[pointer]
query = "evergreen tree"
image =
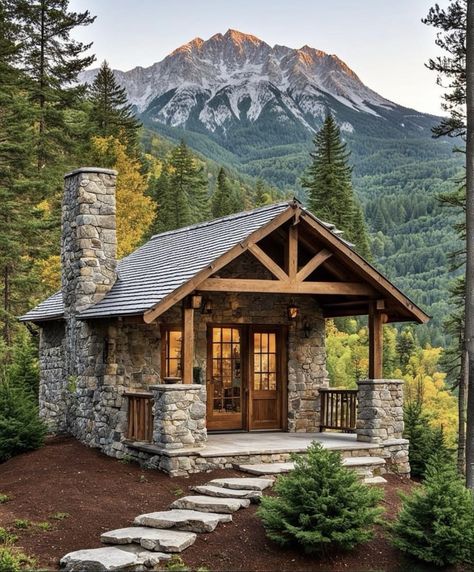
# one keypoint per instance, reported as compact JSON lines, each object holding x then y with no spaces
{"x":405,"y":347}
{"x":262,"y":197}
{"x":226,"y":199}
{"x":321,"y":504}
{"x":52,"y":59}
{"x":18,"y":216}
{"x":436,"y":523}
{"x":21,"y":429}
{"x":329,"y":186}
{"x":111,"y":114}
{"x":451,"y":23}
{"x":181,"y":190}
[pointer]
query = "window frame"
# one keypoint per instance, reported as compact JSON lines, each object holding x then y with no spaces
{"x":166,"y":329}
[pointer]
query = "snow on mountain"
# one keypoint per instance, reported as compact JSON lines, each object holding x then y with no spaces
{"x":237,"y":77}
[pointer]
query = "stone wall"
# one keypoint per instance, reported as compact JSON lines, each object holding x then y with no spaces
{"x":53,"y":381}
{"x":179,"y":416}
{"x":380,"y":410}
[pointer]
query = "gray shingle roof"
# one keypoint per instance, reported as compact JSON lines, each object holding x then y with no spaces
{"x":164,"y":263}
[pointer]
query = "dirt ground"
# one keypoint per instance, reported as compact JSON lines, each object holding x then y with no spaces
{"x":95,"y":493}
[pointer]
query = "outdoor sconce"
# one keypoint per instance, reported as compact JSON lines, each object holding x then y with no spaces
{"x":293,"y":311}
{"x":196,"y":301}
{"x":206,"y":307}
{"x":307,"y":329}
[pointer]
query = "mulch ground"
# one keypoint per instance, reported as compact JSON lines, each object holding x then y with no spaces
{"x":99,"y":494}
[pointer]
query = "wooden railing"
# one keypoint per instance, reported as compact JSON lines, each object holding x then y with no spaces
{"x":140,"y":416}
{"x":338,"y":409}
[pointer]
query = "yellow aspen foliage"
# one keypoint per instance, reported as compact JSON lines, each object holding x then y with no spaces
{"x":50,"y":272}
{"x":423,"y":379}
{"x":135,"y":210}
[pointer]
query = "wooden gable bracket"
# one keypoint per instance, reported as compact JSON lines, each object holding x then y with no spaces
{"x":290,"y":282}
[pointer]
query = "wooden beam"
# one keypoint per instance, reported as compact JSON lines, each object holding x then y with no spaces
{"x":168,"y":301}
{"x":282,"y":287}
{"x":314,"y":263}
{"x":376,"y":321}
{"x":293,"y":251}
{"x":268,"y":262}
{"x":188,"y":344}
{"x":359,"y":265}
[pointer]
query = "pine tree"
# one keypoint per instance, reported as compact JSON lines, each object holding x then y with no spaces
{"x":436,"y":523}
{"x":183,"y":191}
{"x":111,"y":114}
{"x":52,"y":59}
{"x":321,"y":504}
{"x":329,"y":186}
{"x":163,"y":198}
{"x":18,"y":216}
{"x":223,"y":203}
{"x":262,"y":197}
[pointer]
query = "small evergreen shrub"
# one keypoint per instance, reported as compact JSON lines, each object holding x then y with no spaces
{"x":436,"y":522}
{"x":320,"y":504}
{"x":21,"y":429}
{"x":425,"y":441}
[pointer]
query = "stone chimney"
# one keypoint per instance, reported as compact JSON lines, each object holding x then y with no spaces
{"x":89,"y":241}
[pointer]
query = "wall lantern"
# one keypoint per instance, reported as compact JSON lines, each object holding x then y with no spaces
{"x":206,"y":306}
{"x":196,"y":301}
{"x":293,"y":311}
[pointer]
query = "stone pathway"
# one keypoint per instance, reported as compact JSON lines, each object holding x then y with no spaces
{"x":157,"y":535}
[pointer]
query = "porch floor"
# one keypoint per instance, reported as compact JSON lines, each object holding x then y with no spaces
{"x":268,"y":443}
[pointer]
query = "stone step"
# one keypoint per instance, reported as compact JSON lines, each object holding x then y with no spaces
{"x":130,"y":558}
{"x":363,"y":465}
{"x":266,"y":468}
{"x":210,"y":504}
{"x":150,"y":538}
{"x":190,"y":520}
{"x":375,"y":481}
{"x":213,"y":491}
{"x":245,"y":483}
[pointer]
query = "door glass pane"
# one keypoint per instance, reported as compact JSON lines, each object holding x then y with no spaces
{"x":226,"y":370}
{"x":265,"y":362}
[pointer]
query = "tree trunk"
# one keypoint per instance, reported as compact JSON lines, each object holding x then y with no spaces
{"x":469,"y":309}
{"x":462,"y":394}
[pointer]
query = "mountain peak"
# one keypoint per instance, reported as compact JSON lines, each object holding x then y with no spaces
{"x":240,"y":37}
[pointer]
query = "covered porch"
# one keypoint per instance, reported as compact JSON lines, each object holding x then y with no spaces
{"x":252,"y":357}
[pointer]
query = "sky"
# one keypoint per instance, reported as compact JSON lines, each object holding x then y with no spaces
{"x":383,"y":41}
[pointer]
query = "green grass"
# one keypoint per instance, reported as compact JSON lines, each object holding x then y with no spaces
{"x":7,"y":538}
{"x":60,"y":515}
{"x":12,"y":560}
{"x":44,"y":525}
{"x":4,"y":498}
{"x":22,"y":523}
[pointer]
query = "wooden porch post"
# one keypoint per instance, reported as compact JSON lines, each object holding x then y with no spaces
{"x":188,"y":344}
{"x":376,"y":321}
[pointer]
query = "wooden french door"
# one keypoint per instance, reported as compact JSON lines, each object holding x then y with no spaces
{"x":265,"y":380}
{"x":245,"y":377}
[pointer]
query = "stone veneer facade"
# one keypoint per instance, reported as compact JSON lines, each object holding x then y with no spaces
{"x":88,"y":366}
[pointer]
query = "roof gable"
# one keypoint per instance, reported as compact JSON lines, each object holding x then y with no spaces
{"x":173,"y":264}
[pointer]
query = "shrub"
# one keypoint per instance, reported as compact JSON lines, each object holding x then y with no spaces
{"x":20,"y":426}
{"x":425,"y":441}
{"x":320,"y":504}
{"x":12,"y":560}
{"x":4,"y":498}
{"x":436,"y":522}
{"x":22,"y":523}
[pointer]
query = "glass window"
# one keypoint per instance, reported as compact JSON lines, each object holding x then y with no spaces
{"x":172,"y":353}
{"x":226,"y":374}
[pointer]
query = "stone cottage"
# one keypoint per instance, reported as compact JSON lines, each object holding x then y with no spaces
{"x":208,"y":331}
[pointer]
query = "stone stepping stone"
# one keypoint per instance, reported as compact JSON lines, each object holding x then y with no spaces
{"x":210,"y":504}
{"x":245,"y":483}
{"x":191,"y":520}
{"x":266,"y":468}
{"x":111,"y":558}
{"x":375,"y":481}
{"x":150,"y":538}
{"x":354,"y":462}
{"x":213,"y":491}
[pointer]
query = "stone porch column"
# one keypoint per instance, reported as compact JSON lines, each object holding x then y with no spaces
{"x":179,"y":416}
{"x":380,"y":410}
